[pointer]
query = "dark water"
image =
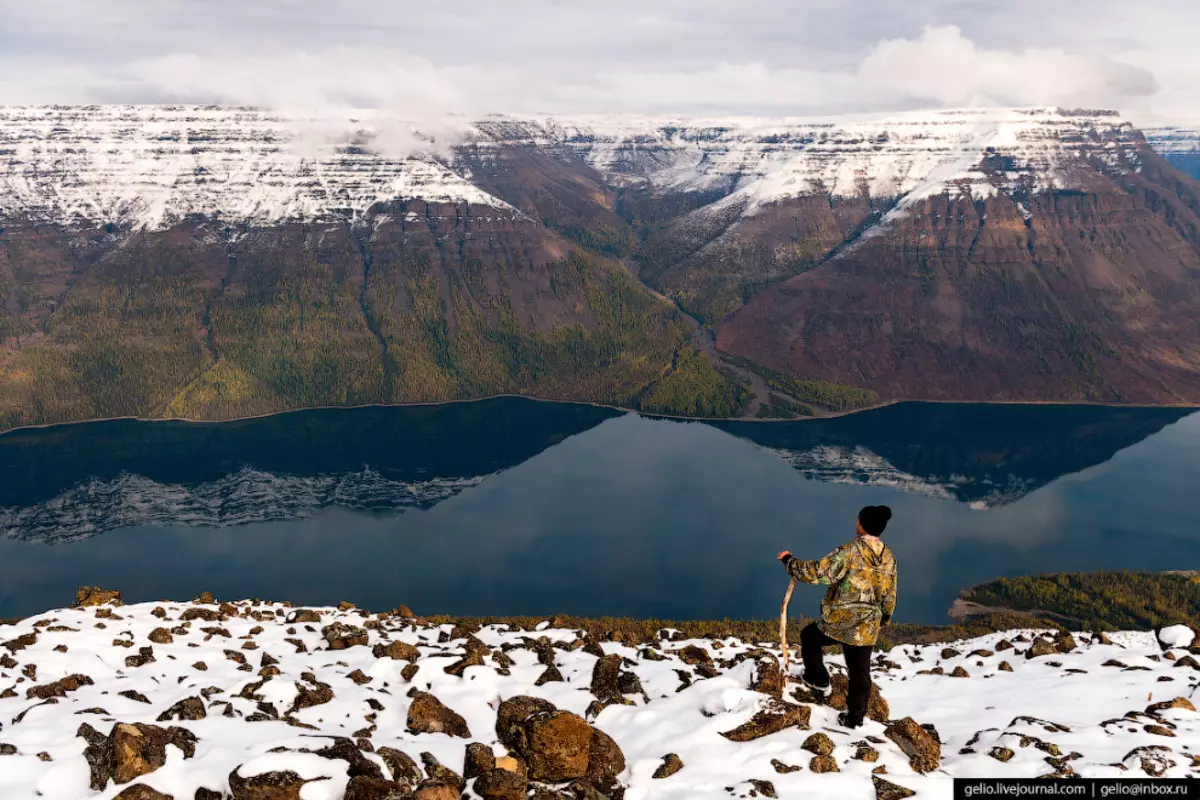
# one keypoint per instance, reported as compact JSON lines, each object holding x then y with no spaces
{"x":512,"y":506}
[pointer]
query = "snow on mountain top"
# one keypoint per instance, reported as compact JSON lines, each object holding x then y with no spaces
{"x":150,"y":166}
{"x":1101,"y":708}
{"x":904,"y":156}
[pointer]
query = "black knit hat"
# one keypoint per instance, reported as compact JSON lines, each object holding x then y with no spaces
{"x":874,"y":519}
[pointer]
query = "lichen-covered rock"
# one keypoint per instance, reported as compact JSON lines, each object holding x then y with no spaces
{"x":671,"y":764}
{"x":511,"y":716}
{"x":140,"y":791}
{"x":59,"y":688}
{"x":820,"y":764}
{"x":886,"y":790}
{"x":89,"y":596}
{"x":427,"y":714}
{"x":189,"y":708}
{"x":922,"y":748}
{"x":501,"y":784}
{"x":818,"y":743}
{"x":405,"y":772}
{"x":284,"y":785}
{"x":136,"y":750}
{"x":774,"y":716}
{"x":400,"y":651}
{"x":339,"y":636}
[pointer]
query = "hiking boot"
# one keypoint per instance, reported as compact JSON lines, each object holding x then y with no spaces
{"x":843,"y":719}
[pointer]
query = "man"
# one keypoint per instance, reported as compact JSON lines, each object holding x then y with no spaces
{"x":861,"y":576}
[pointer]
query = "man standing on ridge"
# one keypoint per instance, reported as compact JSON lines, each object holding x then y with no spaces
{"x":861,"y":576}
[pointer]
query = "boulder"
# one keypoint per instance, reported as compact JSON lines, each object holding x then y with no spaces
{"x":339,"y":636}
{"x":839,"y":692}
{"x":782,"y":768}
{"x":501,"y":784}
{"x":130,"y":751}
{"x":671,"y":764}
{"x":549,"y":675}
{"x":694,"y":655}
{"x":1166,"y":705}
{"x":427,"y":714}
{"x":1041,"y":647}
{"x":435,"y":790}
{"x":161,"y":636}
{"x":344,"y":749}
{"x":885,"y":790}
{"x":556,"y":746}
{"x":772,"y":717}
{"x":285,"y":785}
{"x":922,"y":748}
{"x":317,"y":694}
{"x":304,"y":615}
{"x":768,"y":676}
{"x":605,"y":761}
{"x":189,"y":708}
{"x":820,"y":764}
{"x":88,"y":596}
{"x":140,"y":791}
{"x":364,"y":787}
{"x":59,"y":688}
{"x":606,"y":677}
{"x":818,"y":743}
{"x":479,"y":759}
{"x":511,"y":716}
{"x":400,"y":651}
{"x":1001,"y":753}
{"x":405,"y":772}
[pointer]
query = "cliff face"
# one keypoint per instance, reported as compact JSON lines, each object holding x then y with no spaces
{"x":211,"y":262}
{"x":1086,"y":294}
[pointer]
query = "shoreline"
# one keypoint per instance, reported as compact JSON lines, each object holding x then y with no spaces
{"x":594,"y":404}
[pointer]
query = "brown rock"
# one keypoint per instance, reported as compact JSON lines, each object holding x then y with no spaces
{"x":1001,"y":753}
{"x":437,"y":771}
{"x":161,"y":636}
{"x":1178,"y":702}
{"x":775,"y":716}
{"x":556,"y":745}
{"x":88,"y":596}
{"x":405,"y":772}
{"x":1041,"y":647}
{"x":885,"y":790}
{"x":400,"y":651}
{"x":360,"y":677}
{"x":190,"y":708}
{"x":839,"y":693}
{"x":59,"y":688}
{"x":145,"y":655}
{"x":404,"y":611}
{"x":479,"y":759}
{"x":949,"y":652}
{"x":960,"y":672}
{"x":782,"y":768}
{"x":605,"y":761}
{"x":820,"y":764}
{"x":818,"y":743}
{"x":308,"y":696}
{"x":206,"y":598}
{"x":1158,"y":730}
{"x":409,"y":671}
{"x":140,"y":791}
{"x":866,"y":753}
{"x":303,"y":615}
{"x":434,"y":790}
{"x":426,"y":714}
{"x":136,"y":750}
{"x":339,"y":636}
{"x":606,"y":676}
{"x":1004,"y":666}
{"x":267,"y":786}
{"x":694,"y":655}
{"x":365,"y":787}
{"x":765,"y":788}
{"x":671,"y":764}
{"x":550,"y":675}
{"x":511,"y":716}
{"x":344,"y":749}
{"x":923,"y":750}
{"x":501,"y":784}
{"x":768,"y":676}
{"x":196,"y":612}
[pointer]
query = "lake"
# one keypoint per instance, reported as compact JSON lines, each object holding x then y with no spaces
{"x":514,"y":506}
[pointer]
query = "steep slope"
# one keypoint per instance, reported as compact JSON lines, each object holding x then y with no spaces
{"x":1179,"y":145}
{"x":214,"y":263}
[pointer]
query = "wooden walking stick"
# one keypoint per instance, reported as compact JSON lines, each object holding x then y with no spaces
{"x":787,"y":598}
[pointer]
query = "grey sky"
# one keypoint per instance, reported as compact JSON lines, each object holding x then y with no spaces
{"x":647,"y":56}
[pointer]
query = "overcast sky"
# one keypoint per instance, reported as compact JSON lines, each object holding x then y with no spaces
{"x":798,"y":57}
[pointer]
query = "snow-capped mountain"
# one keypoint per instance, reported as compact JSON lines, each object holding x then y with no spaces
{"x":151,"y":166}
{"x":1179,"y":145}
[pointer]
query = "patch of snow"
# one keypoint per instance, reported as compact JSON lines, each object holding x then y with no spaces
{"x":1176,"y":636}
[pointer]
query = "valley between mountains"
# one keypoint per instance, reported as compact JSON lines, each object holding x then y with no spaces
{"x":210,"y":263}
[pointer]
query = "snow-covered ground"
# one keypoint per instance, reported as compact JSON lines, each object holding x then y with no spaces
{"x":265,"y":690}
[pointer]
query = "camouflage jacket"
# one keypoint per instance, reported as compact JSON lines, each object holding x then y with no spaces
{"x":861,"y":576}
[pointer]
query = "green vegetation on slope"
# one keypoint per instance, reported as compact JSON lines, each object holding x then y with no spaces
{"x":833,"y":396}
{"x":1101,"y":600}
{"x":160,"y":328}
{"x":694,"y":387}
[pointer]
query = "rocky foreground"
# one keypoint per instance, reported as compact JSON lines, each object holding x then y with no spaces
{"x":263,"y":701}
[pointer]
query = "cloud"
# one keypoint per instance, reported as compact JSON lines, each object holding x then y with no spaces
{"x":439,"y":64}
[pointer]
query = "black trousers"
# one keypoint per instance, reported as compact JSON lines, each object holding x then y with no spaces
{"x":858,"y":663}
